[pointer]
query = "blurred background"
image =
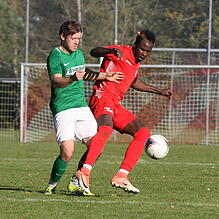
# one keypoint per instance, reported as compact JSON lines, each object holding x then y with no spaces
{"x":177,"y":24}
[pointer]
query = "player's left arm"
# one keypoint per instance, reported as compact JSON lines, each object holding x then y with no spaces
{"x":110,"y":76}
{"x":142,"y":86}
{"x":104,"y":51}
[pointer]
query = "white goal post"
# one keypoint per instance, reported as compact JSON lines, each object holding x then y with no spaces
{"x":190,"y":116}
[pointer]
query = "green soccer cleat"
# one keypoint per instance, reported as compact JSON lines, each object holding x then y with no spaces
{"x":50,"y":189}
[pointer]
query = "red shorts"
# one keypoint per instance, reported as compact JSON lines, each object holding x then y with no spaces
{"x":107,"y":105}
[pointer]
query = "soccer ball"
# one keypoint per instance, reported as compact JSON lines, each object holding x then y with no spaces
{"x":157,"y":146}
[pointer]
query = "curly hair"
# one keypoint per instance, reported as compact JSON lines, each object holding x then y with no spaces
{"x":145,"y":35}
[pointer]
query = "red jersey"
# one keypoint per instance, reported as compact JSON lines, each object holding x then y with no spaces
{"x":111,"y":63}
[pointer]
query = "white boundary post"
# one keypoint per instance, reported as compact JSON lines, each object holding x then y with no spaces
{"x":22,"y":105}
{"x":208,"y":73}
{"x":171,"y":87}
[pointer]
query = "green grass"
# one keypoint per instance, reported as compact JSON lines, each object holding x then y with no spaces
{"x":183,"y":185}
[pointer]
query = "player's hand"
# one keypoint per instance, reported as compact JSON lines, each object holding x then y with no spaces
{"x":166,"y":92}
{"x":117,"y":52}
{"x":114,"y":76}
{"x":79,"y":74}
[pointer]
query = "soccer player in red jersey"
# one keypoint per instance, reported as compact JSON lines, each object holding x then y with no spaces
{"x":110,"y":114}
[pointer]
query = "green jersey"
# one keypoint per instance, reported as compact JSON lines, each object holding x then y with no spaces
{"x":72,"y":96}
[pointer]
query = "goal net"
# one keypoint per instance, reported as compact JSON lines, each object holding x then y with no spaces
{"x":9,"y":109}
{"x":190,"y":116}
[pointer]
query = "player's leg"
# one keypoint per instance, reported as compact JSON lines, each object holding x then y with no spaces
{"x":65,"y":138}
{"x":74,"y":185}
{"x":104,"y":131}
{"x":132,"y":126}
{"x":103,"y":110}
{"x":82,"y":160}
{"x":140,"y":134}
{"x":60,"y":165}
{"x":95,"y":148}
{"x":86,"y":128}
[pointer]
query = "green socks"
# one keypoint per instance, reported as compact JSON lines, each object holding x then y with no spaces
{"x":58,"y":169}
{"x":83,"y":158}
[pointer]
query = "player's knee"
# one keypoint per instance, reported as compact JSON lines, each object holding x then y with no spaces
{"x":66,"y":156}
{"x":142,"y":134}
{"x":104,"y":132}
{"x":66,"y":150}
{"x":86,"y":141}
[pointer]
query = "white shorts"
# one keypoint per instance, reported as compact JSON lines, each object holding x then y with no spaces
{"x":75,"y":124}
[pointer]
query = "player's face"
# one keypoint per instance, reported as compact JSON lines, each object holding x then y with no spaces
{"x":71,"y":42}
{"x":142,"y":50}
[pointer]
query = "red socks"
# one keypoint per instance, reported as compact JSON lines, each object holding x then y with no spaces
{"x":133,"y":152}
{"x":135,"y":149}
{"x":97,"y":144}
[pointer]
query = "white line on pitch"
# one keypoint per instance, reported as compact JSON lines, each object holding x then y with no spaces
{"x":176,"y":163}
{"x":113,"y":162}
{"x":111,"y":202}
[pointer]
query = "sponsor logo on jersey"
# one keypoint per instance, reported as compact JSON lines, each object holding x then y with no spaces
{"x":107,"y":109}
{"x":71,"y":71}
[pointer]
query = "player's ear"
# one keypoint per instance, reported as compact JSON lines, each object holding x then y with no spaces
{"x":62,"y":37}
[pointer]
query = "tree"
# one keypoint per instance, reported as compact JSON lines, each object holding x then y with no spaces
{"x":11,"y":37}
{"x":182,"y":24}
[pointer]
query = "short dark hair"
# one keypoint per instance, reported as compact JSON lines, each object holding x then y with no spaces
{"x":145,"y":35}
{"x":70,"y":28}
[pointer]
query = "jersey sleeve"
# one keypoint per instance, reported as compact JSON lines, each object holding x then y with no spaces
{"x":112,"y":56}
{"x":54,"y":64}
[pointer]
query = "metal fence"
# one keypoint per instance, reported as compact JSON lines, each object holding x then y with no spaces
{"x":9,"y":109}
{"x":191,"y":116}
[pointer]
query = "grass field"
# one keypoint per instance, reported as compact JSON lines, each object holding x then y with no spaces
{"x":183,"y":185}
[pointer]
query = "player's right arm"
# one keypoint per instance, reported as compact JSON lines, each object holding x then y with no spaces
{"x":58,"y":81}
{"x":103,"y":51}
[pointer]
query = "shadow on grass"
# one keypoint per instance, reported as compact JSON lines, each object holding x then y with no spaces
{"x":59,"y":192}
{"x":81,"y":195}
{"x":10,"y":188}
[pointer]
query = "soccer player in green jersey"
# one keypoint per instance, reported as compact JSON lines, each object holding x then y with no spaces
{"x":71,"y":114}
